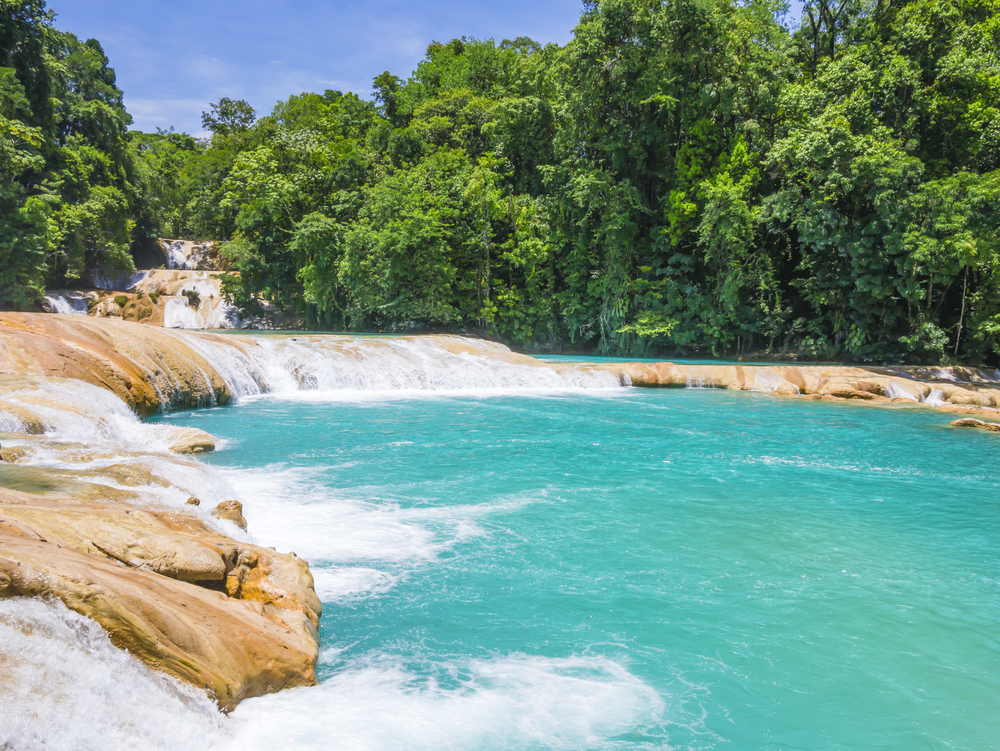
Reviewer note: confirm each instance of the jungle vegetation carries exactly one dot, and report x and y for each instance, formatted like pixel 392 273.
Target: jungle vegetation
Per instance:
pixel 684 175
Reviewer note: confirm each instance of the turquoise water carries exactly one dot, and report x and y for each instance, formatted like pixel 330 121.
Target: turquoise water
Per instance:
pixel 656 569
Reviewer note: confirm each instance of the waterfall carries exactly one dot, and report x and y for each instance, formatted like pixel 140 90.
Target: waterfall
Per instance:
pixel 176 257
pixel 895 390
pixel 66 686
pixel 189 255
pixel 211 313
pixel 68 303
pixel 326 366
pixel 935 398
pixel 765 379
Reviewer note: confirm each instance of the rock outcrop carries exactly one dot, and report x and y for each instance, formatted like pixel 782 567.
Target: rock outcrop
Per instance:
pixel 872 385
pixel 969 422
pixel 90 512
pixel 234 618
pixel 148 368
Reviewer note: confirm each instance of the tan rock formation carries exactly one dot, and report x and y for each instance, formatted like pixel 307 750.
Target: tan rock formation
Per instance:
pixel 191 441
pixel 231 511
pixel 233 617
pixel 969 422
pixel 146 367
pixel 839 382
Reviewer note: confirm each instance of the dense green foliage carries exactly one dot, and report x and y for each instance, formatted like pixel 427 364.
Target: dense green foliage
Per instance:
pixel 683 175
pixel 68 195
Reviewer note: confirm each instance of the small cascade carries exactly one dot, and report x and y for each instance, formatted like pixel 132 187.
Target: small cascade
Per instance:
pixel 68 303
pixel 935 398
pixel 176 257
pixel 107 279
pixel 190 255
pixel 696 380
pixel 66 686
pixel 767 380
pixel 210 313
pixel 894 390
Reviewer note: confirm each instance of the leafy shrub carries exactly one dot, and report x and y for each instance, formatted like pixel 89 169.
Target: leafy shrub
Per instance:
pixel 194 299
pixel 122 300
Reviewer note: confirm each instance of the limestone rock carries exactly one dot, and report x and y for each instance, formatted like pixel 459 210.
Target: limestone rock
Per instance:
pixel 191 441
pixel 234 617
pixel 147 367
pixel 969 422
pixel 234 648
pixel 231 511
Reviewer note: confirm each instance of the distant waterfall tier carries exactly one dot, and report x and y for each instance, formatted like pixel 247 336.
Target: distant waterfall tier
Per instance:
pixel 193 255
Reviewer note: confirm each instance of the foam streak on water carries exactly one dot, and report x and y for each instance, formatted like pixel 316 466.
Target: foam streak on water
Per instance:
pixel 513 702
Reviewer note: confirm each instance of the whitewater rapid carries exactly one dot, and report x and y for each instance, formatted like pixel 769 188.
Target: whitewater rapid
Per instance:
pixel 64 685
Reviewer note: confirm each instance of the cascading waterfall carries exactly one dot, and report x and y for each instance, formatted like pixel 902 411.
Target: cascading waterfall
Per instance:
pixel 211 313
pixel 68 303
pixel 325 367
pixel 65 686
pixel 176 257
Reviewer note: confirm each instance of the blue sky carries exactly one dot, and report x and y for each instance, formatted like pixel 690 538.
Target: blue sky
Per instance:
pixel 175 57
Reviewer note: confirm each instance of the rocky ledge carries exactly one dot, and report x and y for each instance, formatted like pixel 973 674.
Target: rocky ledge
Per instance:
pixel 232 617
pixel 948 389
pixel 94 511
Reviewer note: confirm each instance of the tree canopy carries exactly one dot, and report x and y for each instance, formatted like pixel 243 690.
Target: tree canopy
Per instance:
pixel 691 175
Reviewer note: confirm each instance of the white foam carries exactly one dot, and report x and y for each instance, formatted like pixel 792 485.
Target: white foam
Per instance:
pixel 349 583
pixel 935 398
pixel 300 515
pixel 296 512
pixel 212 312
pixel 511 702
pixel 765 379
pixel 64 686
pixel 68 303
pixel 78 411
pixel 339 368
pixel 895 390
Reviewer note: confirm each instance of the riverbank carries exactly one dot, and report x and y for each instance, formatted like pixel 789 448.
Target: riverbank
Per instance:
pixel 97 510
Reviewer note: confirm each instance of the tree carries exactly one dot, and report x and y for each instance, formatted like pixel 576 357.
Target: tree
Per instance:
pixel 229 117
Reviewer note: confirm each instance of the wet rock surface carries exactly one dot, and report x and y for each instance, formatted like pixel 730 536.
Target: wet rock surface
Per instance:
pixel 969 422
pixel 231 511
pixel 235 618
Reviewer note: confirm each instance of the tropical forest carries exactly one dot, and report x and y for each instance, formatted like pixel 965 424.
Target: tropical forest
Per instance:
pixel 686 176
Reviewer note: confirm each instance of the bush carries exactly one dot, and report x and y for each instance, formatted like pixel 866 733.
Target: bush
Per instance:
pixel 194 299
pixel 154 296
pixel 122 300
